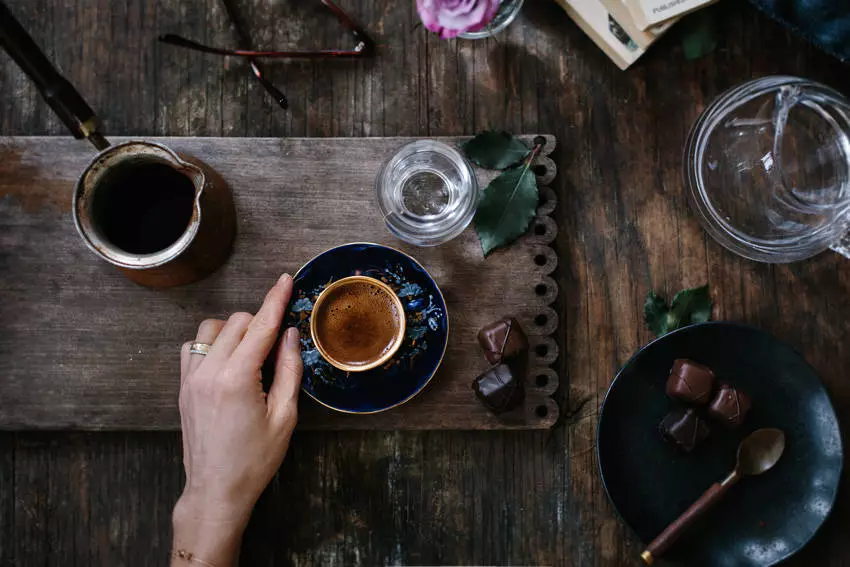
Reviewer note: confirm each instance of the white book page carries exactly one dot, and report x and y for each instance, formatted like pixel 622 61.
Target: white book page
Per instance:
pixel 597 17
pixel 659 10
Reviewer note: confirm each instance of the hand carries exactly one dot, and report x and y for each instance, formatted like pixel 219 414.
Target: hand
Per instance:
pixel 234 437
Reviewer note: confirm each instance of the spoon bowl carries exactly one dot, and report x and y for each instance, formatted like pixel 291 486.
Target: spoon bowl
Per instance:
pixel 760 451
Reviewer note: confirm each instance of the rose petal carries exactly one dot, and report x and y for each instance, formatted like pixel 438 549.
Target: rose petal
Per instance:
pixel 485 21
pixel 451 17
pixel 428 11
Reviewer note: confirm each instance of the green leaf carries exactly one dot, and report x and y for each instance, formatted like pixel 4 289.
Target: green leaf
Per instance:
pixel 699 35
pixel 655 314
pixel 689 306
pixel 506 209
pixel 495 150
pixel 692 305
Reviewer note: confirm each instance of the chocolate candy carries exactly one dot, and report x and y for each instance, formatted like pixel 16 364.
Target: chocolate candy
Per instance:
pixel 504 341
pixel 684 427
pixel 499 389
pixel 690 382
pixel 729 406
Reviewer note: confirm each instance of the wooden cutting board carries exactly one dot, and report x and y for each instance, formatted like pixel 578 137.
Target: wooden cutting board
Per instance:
pixel 81 347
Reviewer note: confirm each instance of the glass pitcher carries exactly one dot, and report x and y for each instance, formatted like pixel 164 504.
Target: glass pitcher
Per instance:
pixel 767 167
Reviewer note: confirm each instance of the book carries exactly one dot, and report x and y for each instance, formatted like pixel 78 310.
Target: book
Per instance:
pixel 606 32
pixel 644 38
pixel 649 13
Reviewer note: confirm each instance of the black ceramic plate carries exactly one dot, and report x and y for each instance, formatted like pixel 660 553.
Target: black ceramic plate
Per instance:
pixel 764 519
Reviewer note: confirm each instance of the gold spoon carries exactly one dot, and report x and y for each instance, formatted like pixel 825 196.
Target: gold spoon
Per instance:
pixel 757 453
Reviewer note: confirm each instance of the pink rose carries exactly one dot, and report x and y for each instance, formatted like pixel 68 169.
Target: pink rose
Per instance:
pixel 451 17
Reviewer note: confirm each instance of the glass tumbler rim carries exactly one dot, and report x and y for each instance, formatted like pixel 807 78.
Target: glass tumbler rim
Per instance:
pixel 512 8
pixel 423 230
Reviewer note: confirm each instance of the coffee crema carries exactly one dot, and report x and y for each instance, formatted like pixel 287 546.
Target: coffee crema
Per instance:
pixel 357 324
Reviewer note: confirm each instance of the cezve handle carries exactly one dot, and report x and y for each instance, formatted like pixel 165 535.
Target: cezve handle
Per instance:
pixel 672 532
pixel 60 94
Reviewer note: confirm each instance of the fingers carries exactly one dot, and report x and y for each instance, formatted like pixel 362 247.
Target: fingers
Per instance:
pixel 185 358
pixel 208 332
pixel 283 395
pixel 227 340
pixel 262 332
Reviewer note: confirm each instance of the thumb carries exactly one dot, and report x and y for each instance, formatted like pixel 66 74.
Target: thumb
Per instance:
pixel 283 394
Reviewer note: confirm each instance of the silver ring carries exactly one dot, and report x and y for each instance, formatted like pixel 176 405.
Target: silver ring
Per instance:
pixel 199 348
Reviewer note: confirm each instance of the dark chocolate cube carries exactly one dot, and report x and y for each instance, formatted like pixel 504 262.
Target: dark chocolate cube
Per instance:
pixel 684 427
pixel 690 382
pixel 505 341
pixel 729 406
pixel 499 389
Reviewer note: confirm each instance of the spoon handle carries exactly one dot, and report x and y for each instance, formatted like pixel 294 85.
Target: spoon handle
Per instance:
pixel 672 532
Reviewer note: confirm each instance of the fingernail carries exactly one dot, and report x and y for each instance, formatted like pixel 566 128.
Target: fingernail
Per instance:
pixel 284 277
pixel 290 336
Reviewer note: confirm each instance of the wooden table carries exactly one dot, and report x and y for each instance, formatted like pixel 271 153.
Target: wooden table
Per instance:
pixel 428 498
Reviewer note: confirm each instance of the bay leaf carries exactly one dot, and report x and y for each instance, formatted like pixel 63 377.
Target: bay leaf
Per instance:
pixel 506 209
pixel 495 149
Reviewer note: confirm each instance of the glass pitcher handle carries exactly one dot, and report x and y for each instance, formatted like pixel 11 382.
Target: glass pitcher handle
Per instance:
pixel 843 246
pixel 833 108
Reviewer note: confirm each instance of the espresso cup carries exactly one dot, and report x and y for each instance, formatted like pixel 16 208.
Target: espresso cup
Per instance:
pixel 357 323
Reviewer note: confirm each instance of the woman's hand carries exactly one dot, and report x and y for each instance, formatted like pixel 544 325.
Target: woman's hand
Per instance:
pixel 234 437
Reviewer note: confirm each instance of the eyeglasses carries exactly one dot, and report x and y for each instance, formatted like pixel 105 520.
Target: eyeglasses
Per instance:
pixel 364 47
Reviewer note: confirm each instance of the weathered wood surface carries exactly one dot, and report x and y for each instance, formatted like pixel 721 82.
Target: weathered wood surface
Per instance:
pixel 82 347
pixel 624 228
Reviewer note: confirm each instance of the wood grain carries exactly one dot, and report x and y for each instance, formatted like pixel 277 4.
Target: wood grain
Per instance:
pixel 348 498
pixel 83 348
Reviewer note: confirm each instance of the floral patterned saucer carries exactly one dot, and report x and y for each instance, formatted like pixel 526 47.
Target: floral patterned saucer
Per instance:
pixel 419 356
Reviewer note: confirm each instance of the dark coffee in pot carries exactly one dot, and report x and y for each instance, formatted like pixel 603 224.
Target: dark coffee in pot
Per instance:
pixel 143 206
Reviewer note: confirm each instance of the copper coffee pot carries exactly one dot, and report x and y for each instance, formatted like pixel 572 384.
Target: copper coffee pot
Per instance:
pixel 176 229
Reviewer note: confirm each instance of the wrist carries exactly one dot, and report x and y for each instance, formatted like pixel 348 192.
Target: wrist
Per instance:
pixel 210 531
pixel 200 505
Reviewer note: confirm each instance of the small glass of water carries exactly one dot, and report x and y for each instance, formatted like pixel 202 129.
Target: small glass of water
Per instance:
pixel 427 193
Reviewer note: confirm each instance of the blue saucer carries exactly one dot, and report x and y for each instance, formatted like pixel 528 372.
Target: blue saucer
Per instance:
pixel 419 356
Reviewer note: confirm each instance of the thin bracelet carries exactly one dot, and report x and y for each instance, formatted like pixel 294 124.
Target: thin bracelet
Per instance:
pixel 189 557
